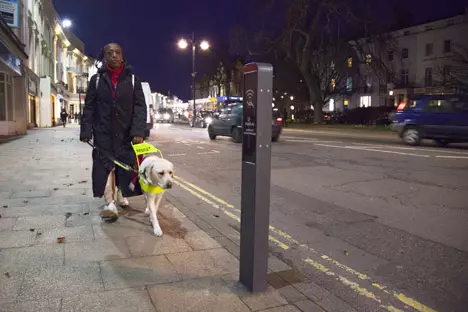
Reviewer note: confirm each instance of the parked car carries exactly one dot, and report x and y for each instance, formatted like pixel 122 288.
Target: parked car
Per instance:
pixel 229 123
pixel 442 118
pixel 164 115
pixel 204 118
pixel 149 107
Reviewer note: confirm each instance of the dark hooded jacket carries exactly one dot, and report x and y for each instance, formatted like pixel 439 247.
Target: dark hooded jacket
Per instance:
pixel 112 122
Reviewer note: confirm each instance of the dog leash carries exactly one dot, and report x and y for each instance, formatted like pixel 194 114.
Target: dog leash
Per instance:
pixel 113 159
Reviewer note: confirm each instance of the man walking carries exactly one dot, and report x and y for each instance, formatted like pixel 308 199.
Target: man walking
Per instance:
pixel 63 117
pixel 114 115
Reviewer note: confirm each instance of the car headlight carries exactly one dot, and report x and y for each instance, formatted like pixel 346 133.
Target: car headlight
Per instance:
pixel 166 116
pixel 208 120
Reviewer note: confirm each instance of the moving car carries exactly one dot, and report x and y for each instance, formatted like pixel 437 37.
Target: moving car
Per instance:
pixel 149 107
pixel 442 118
pixel 229 123
pixel 164 115
pixel 204 118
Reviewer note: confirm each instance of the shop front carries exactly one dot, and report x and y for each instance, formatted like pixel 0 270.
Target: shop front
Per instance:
pixel 13 87
pixel 33 101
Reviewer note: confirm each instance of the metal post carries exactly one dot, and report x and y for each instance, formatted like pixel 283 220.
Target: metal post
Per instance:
pixel 193 79
pixel 256 171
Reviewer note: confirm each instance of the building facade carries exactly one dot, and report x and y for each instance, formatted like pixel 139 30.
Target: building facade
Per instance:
pixel 415 60
pixel 58 67
pixel 13 67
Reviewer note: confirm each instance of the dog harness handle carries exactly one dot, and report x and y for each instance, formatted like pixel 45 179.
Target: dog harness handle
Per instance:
pixel 142 149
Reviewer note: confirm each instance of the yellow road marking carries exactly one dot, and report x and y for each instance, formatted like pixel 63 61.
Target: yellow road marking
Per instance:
pixel 354 286
pixel 229 214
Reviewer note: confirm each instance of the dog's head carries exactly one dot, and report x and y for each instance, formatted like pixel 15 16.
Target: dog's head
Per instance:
pixel 161 172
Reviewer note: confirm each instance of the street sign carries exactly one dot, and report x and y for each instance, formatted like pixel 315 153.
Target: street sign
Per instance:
pixel 256 170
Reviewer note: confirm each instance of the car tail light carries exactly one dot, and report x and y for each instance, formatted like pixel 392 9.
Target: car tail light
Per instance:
pixel 279 121
pixel 401 106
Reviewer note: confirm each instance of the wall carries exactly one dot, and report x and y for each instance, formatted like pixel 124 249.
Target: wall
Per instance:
pixel 45 107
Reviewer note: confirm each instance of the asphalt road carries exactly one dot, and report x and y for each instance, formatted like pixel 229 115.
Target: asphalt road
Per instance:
pixel 380 225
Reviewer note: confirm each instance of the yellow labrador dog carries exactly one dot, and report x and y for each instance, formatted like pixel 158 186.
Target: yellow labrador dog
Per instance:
pixel 156 175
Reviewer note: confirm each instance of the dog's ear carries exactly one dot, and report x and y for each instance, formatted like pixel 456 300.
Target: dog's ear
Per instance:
pixel 148 170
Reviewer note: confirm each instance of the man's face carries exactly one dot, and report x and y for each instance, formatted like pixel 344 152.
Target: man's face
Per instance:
pixel 113 55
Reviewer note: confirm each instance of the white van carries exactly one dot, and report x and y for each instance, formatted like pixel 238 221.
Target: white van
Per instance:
pixel 149 107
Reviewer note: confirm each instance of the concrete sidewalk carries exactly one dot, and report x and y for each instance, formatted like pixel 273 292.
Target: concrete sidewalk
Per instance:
pixel 57 255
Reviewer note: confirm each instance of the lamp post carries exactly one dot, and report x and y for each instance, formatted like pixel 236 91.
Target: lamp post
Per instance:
pixel 204 45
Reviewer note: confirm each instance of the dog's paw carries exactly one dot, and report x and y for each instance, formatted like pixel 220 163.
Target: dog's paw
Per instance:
pixel 147 211
pixel 158 232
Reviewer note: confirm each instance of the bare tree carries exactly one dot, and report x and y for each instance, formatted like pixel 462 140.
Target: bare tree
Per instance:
pixel 315 37
pixel 452 72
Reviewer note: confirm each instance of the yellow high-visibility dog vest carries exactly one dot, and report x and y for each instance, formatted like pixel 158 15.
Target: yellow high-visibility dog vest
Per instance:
pixel 141 149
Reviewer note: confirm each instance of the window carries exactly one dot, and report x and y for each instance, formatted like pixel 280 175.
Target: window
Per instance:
pixel 439 106
pixel 429 49
pixel 333 84
pixel 428 77
pixel 390 56
pixel 446 74
pixel 404 53
pixel 350 62
pixel 345 102
pixel 428 28
pixel 404 77
pixel 447 46
pixel 349 84
pixel 365 101
pixel 2 97
pixel 450 23
pixel 459 106
pixel 406 33
pixel 368 59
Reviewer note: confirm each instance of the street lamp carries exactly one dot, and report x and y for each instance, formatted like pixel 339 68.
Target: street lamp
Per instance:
pixel 204 45
pixel 292 98
pixel 66 23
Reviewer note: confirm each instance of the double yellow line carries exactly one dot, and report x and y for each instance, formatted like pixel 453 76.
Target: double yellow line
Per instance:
pixel 233 212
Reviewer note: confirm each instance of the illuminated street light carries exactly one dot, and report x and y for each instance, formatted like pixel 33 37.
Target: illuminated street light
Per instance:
pixel 292 107
pixel 66 23
pixel 183 44
pixel 272 104
pixel 292 98
pixel 204 45
pixel 282 97
pixel 390 92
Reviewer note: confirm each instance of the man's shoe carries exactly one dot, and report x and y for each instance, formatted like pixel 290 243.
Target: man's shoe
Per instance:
pixel 122 201
pixel 110 213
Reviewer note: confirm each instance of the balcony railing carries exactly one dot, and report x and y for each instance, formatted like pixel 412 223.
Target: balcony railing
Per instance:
pixel 80 90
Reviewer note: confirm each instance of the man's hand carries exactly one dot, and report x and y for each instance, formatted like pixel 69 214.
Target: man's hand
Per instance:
pixel 137 140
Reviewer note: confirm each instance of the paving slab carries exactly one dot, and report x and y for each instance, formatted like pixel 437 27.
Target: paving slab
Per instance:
pixel 30 257
pixel 323 298
pixel 291 294
pixel 96 250
pixel 9 239
pixel 44 305
pixel 31 194
pixel 197 295
pixel 40 210
pixel 10 284
pixel 120 229
pixel 71 234
pixel 6 224
pixel 308 306
pixel 127 300
pixel 200 240
pixel 60 281
pixel 135 272
pixel 287 308
pixel 204 263
pixel 39 222
pixel 151 245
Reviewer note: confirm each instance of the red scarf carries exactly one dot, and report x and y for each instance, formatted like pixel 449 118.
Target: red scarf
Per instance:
pixel 115 73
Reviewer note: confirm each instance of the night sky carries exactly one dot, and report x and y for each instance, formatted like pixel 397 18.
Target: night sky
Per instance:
pixel 148 31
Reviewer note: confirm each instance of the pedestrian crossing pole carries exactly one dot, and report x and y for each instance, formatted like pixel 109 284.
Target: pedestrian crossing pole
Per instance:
pixel 256 172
